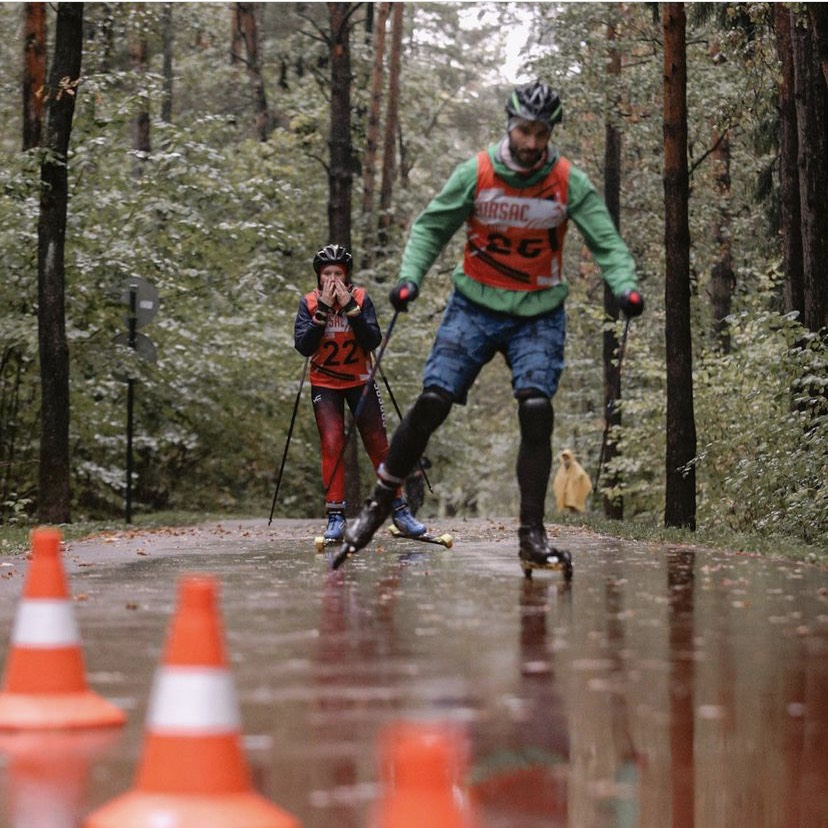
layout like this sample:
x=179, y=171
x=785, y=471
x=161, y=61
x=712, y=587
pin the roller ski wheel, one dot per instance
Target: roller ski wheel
x=556, y=560
x=536, y=553
x=322, y=543
x=444, y=540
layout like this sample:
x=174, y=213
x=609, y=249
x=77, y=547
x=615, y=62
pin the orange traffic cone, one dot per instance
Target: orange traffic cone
x=47, y=774
x=422, y=775
x=44, y=684
x=192, y=773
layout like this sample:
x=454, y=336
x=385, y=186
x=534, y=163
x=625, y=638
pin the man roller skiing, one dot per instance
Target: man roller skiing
x=516, y=199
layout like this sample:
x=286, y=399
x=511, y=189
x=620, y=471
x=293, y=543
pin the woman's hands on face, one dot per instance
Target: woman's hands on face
x=342, y=293
x=328, y=293
x=333, y=288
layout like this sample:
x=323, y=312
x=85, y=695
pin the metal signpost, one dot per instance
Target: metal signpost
x=141, y=299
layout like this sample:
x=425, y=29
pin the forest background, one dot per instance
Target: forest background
x=200, y=160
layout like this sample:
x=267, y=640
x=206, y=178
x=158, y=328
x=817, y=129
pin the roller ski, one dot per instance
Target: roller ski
x=322, y=543
x=406, y=526
x=335, y=529
x=374, y=513
x=536, y=553
x=445, y=539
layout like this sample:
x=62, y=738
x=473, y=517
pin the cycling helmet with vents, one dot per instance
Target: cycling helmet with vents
x=535, y=101
x=333, y=254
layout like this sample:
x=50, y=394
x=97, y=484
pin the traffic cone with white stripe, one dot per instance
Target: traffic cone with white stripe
x=192, y=773
x=44, y=684
x=47, y=774
x=423, y=765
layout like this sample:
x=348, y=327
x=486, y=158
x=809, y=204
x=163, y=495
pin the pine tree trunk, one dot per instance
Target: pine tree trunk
x=369, y=163
x=613, y=506
x=389, y=165
x=819, y=22
x=34, y=72
x=236, y=42
x=138, y=52
x=790, y=220
x=54, y=495
x=811, y=96
x=680, y=498
x=340, y=171
x=248, y=32
x=722, y=276
x=168, y=38
x=340, y=185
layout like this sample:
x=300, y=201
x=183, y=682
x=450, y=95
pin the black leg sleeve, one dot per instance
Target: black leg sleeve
x=534, y=461
x=413, y=433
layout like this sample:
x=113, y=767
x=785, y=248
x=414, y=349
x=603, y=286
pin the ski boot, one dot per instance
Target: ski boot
x=408, y=525
x=335, y=528
x=362, y=528
x=536, y=553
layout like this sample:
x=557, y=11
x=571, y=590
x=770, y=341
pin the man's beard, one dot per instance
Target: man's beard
x=527, y=157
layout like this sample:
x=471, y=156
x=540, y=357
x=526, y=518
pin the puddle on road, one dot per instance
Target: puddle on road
x=661, y=689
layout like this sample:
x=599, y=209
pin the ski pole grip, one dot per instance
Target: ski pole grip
x=631, y=302
x=402, y=294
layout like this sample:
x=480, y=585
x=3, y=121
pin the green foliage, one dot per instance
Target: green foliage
x=225, y=225
x=763, y=411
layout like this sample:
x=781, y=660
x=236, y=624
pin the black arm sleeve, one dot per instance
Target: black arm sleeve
x=306, y=335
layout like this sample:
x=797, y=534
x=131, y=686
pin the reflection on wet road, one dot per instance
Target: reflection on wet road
x=665, y=687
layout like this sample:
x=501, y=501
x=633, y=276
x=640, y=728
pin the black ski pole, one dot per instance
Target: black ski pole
x=399, y=414
x=287, y=441
x=369, y=383
x=611, y=402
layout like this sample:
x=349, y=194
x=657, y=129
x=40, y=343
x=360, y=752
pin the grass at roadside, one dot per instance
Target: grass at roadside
x=14, y=540
x=766, y=545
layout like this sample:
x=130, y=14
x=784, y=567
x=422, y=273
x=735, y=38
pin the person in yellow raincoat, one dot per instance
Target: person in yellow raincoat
x=571, y=485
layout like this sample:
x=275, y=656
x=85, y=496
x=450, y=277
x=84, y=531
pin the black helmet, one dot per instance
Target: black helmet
x=333, y=254
x=535, y=101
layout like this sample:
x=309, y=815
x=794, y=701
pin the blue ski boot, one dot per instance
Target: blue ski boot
x=405, y=521
x=336, y=523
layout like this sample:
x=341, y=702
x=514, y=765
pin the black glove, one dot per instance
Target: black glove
x=320, y=316
x=402, y=294
x=631, y=303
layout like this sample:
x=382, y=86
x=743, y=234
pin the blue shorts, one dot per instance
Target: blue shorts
x=470, y=335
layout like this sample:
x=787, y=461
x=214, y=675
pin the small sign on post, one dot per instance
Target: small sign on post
x=141, y=299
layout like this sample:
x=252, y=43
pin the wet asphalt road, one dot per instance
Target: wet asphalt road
x=667, y=686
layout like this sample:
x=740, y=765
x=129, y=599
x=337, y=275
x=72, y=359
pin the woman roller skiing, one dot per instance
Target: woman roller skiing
x=336, y=327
